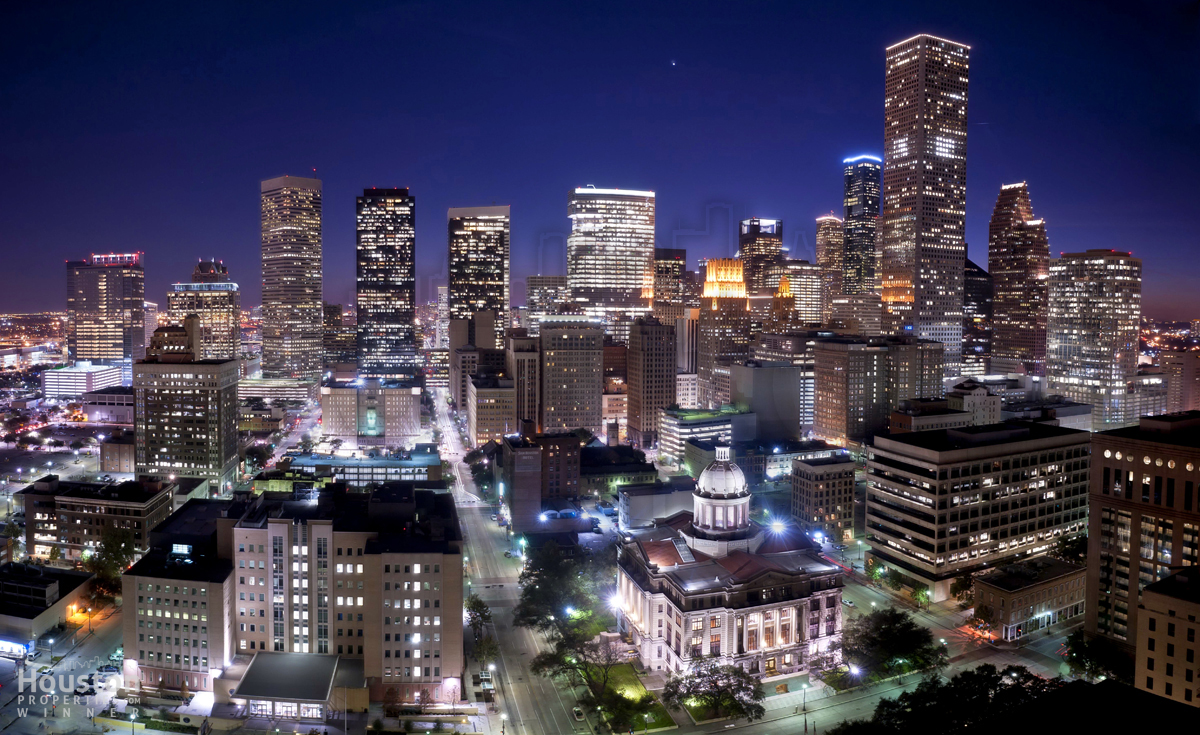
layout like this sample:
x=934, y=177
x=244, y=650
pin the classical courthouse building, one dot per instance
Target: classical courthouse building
x=712, y=582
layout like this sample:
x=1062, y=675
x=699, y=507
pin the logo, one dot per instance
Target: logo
x=57, y=689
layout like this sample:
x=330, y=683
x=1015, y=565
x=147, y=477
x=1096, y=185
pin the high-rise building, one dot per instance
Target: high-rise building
x=1095, y=306
x=670, y=264
x=151, y=316
x=760, y=245
x=610, y=252
x=723, y=331
x=522, y=363
x=572, y=375
x=829, y=258
x=291, y=278
x=860, y=212
x=106, y=311
x=218, y=302
x=1182, y=368
x=1019, y=263
x=479, y=263
x=772, y=391
x=857, y=314
x=386, y=239
x=186, y=409
x=340, y=340
x=442, y=340
x=977, y=320
x=935, y=548
x=491, y=406
x=544, y=295
x=1143, y=518
x=650, y=367
x=922, y=228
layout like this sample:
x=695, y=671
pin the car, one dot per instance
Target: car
x=847, y=603
x=495, y=517
x=90, y=691
x=109, y=669
x=578, y=714
x=508, y=555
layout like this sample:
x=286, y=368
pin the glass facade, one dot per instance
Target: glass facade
x=610, y=252
x=479, y=264
x=292, y=276
x=1019, y=262
x=387, y=284
x=860, y=214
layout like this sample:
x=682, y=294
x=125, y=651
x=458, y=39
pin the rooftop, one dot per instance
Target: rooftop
x=1029, y=573
x=112, y=390
x=1178, y=429
x=190, y=568
x=28, y=574
x=130, y=491
x=296, y=677
x=970, y=437
x=1183, y=585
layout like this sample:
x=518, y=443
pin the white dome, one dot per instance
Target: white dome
x=722, y=477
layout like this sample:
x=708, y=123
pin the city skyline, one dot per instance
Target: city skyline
x=701, y=195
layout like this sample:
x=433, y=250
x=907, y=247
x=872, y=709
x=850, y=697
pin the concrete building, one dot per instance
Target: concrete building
x=218, y=302
x=679, y=425
x=771, y=391
x=278, y=389
x=491, y=409
x=823, y=496
x=522, y=363
x=975, y=398
x=543, y=297
x=723, y=331
x=639, y=506
x=292, y=334
x=79, y=379
x=36, y=600
x=1182, y=371
x=692, y=588
x=186, y=418
x=111, y=405
x=1024, y=597
x=470, y=360
x=72, y=516
x=948, y=502
x=860, y=314
x=926, y=414
x=1054, y=410
x=106, y=311
x=118, y=453
x=686, y=341
x=604, y=470
x=1143, y=520
x=796, y=347
x=371, y=413
x=572, y=376
x=1166, y=640
x=760, y=461
x=534, y=469
x=651, y=378
x=923, y=221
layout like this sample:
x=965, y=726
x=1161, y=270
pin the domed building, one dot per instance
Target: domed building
x=714, y=582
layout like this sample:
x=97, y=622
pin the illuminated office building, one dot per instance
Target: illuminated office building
x=544, y=295
x=218, y=302
x=1019, y=262
x=670, y=264
x=291, y=278
x=1095, y=308
x=106, y=302
x=650, y=368
x=829, y=258
x=479, y=263
x=723, y=331
x=977, y=321
x=860, y=214
x=610, y=252
x=925, y=190
x=760, y=245
x=387, y=284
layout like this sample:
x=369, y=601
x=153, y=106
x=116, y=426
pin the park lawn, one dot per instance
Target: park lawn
x=624, y=679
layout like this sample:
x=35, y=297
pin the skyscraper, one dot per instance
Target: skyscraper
x=1019, y=262
x=723, y=332
x=291, y=278
x=925, y=190
x=1092, y=333
x=829, y=258
x=572, y=375
x=106, y=303
x=610, y=252
x=387, y=284
x=651, y=371
x=760, y=245
x=479, y=263
x=218, y=302
x=544, y=295
x=860, y=214
x=669, y=266
x=977, y=321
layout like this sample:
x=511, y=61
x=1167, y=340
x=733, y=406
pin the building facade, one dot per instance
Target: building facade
x=386, y=241
x=1166, y=652
x=923, y=221
x=544, y=295
x=1027, y=596
x=291, y=273
x=860, y=216
x=478, y=277
x=760, y=246
x=610, y=252
x=650, y=368
x=572, y=376
x=723, y=329
x=218, y=302
x=977, y=321
x=106, y=302
x=823, y=496
x=1019, y=263
x=72, y=516
x=830, y=253
x=371, y=413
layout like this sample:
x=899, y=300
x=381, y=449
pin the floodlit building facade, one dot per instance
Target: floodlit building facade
x=106, y=302
x=291, y=278
x=218, y=302
x=371, y=413
x=479, y=263
x=923, y=221
x=723, y=331
x=610, y=252
x=1019, y=263
x=385, y=230
x=830, y=244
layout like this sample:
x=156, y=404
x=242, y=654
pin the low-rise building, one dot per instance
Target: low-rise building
x=278, y=389
x=81, y=378
x=1166, y=640
x=371, y=412
x=117, y=453
x=677, y=425
x=686, y=391
x=823, y=496
x=1026, y=596
x=639, y=506
x=491, y=408
x=260, y=419
x=36, y=599
x=422, y=463
x=1054, y=410
x=537, y=468
x=111, y=405
x=761, y=461
x=927, y=414
x=603, y=470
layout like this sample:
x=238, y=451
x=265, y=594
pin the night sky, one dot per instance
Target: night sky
x=148, y=127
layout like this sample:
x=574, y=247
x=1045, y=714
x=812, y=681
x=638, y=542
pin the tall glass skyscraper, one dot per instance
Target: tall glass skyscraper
x=922, y=228
x=386, y=240
x=1019, y=261
x=106, y=302
x=829, y=258
x=860, y=214
x=760, y=245
x=479, y=263
x=977, y=321
x=1092, y=333
x=610, y=252
x=291, y=272
x=218, y=302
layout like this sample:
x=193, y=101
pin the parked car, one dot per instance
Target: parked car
x=847, y=603
x=508, y=555
x=578, y=714
x=109, y=669
x=494, y=516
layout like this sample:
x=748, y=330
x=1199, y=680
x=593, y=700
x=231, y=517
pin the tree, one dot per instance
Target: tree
x=553, y=594
x=963, y=588
x=78, y=444
x=258, y=455
x=486, y=649
x=726, y=691
x=55, y=553
x=1096, y=657
x=888, y=642
x=894, y=580
x=921, y=594
x=825, y=664
x=305, y=443
x=478, y=614
x=579, y=659
x=876, y=572
x=184, y=691
x=1072, y=548
x=377, y=724
x=112, y=558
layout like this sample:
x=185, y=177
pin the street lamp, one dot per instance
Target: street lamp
x=51, y=651
x=503, y=721
x=89, y=614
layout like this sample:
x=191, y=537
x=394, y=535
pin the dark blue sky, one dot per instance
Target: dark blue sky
x=148, y=126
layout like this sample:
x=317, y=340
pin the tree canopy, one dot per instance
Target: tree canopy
x=887, y=642
x=112, y=558
x=724, y=690
x=478, y=613
x=1096, y=657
